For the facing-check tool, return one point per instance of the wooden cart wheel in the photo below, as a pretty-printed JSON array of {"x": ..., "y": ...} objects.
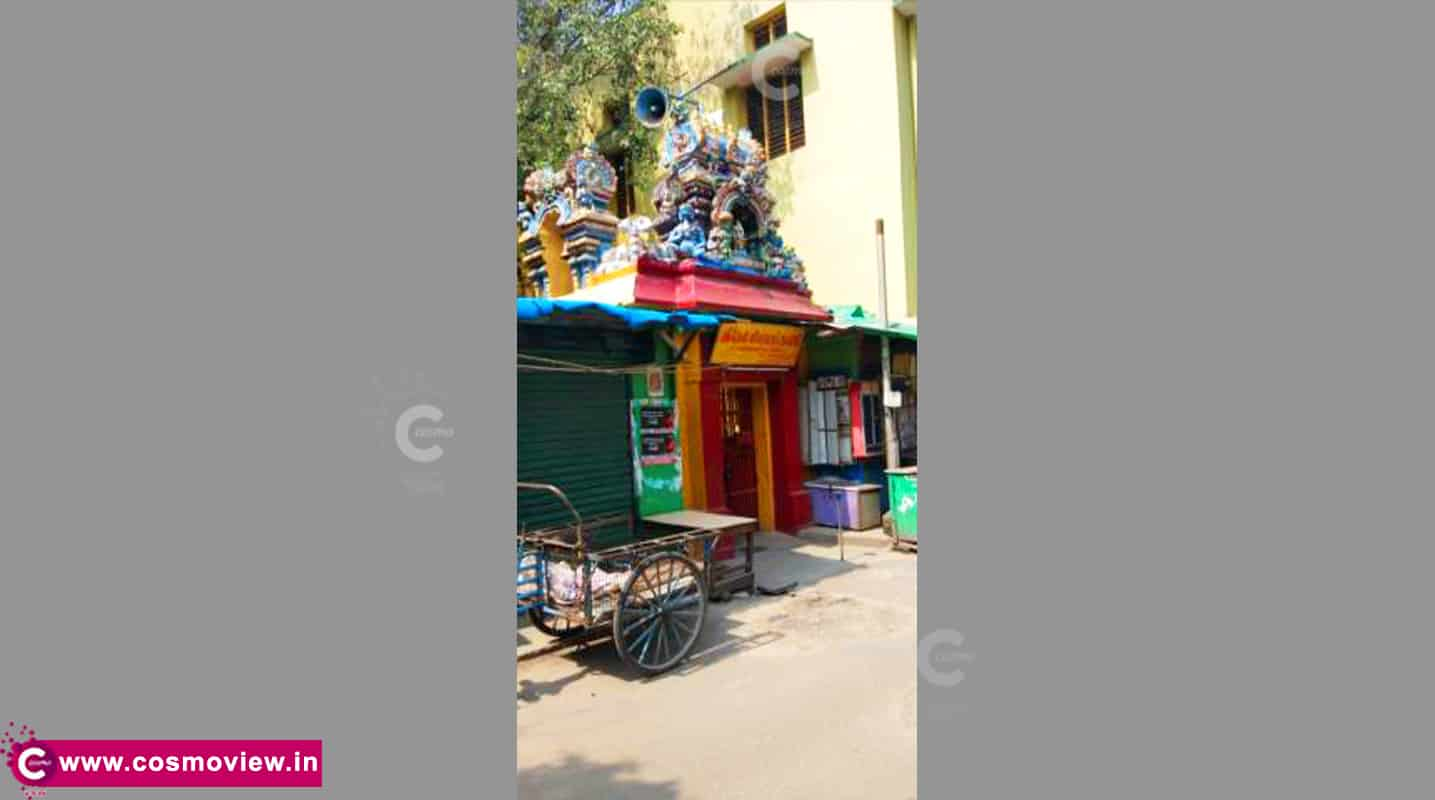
[
  {"x": 555, "y": 626},
  {"x": 660, "y": 613}
]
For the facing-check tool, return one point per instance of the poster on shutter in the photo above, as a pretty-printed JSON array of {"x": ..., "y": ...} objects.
[
  {"x": 656, "y": 384},
  {"x": 657, "y": 457}
]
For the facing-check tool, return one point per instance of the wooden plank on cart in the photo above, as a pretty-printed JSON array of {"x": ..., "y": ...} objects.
[
  {"x": 705, "y": 524},
  {"x": 705, "y": 520}
]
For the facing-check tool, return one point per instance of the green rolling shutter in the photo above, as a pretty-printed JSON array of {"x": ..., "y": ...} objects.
[{"x": 573, "y": 433}]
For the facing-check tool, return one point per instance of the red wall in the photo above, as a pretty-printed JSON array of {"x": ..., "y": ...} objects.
[{"x": 792, "y": 508}]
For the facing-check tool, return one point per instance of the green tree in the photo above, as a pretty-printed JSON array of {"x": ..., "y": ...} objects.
[{"x": 575, "y": 55}]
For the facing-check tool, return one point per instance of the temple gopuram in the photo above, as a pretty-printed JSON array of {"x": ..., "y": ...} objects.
[{"x": 713, "y": 246}]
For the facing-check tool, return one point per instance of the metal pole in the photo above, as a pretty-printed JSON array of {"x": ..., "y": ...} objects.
[{"x": 889, "y": 415}]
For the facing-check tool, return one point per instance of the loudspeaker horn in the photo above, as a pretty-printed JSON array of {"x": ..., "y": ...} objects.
[{"x": 651, "y": 106}]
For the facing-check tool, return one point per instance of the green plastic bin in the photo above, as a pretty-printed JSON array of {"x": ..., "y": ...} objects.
[{"x": 902, "y": 488}]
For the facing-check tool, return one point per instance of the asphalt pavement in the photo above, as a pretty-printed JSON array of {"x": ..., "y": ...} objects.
[{"x": 811, "y": 694}]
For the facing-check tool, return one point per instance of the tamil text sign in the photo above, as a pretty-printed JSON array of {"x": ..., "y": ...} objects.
[{"x": 757, "y": 344}]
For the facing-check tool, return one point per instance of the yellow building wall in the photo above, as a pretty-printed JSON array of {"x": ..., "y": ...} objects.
[
  {"x": 850, "y": 172},
  {"x": 906, "y": 39}
]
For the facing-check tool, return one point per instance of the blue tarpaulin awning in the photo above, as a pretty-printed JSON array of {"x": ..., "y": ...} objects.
[{"x": 537, "y": 309}]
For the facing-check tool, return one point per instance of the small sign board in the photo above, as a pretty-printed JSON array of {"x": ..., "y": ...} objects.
[
  {"x": 757, "y": 344},
  {"x": 658, "y": 444},
  {"x": 650, "y": 417}
]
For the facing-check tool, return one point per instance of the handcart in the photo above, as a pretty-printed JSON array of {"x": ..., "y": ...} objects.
[{"x": 650, "y": 592}]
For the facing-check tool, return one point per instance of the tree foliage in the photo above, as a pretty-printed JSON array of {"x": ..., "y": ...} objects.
[{"x": 577, "y": 55}]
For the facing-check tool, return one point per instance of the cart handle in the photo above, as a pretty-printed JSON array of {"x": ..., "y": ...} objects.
[{"x": 554, "y": 490}]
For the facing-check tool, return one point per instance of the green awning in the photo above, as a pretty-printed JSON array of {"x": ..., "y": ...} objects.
[{"x": 857, "y": 318}]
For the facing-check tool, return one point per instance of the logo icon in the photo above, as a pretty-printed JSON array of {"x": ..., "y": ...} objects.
[
  {"x": 933, "y": 669},
  {"x": 31, "y": 761},
  {"x": 781, "y": 60},
  {"x": 408, "y": 419},
  {"x": 34, "y": 763},
  {"x": 405, "y": 431}
]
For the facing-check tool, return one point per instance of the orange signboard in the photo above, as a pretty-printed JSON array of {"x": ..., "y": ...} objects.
[{"x": 757, "y": 344}]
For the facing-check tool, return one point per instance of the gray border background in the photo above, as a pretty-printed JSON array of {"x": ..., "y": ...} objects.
[
  {"x": 1177, "y": 500},
  {"x": 1181, "y": 473},
  {"x": 231, "y": 232}
]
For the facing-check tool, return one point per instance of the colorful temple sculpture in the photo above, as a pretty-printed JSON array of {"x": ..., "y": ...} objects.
[
  {"x": 713, "y": 246},
  {"x": 573, "y": 205}
]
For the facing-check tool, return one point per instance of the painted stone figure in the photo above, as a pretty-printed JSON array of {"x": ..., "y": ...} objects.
[
  {"x": 719, "y": 242},
  {"x": 687, "y": 239}
]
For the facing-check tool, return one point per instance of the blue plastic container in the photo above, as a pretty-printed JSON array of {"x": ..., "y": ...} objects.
[
  {"x": 827, "y": 501},
  {"x": 866, "y": 471}
]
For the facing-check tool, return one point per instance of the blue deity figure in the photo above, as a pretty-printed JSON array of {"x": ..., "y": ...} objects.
[
  {"x": 772, "y": 240},
  {"x": 687, "y": 237}
]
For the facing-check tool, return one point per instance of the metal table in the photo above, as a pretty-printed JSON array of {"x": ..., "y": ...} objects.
[{"x": 721, "y": 581}]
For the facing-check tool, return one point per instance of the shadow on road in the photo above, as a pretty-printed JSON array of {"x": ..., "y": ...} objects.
[
  {"x": 721, "y": 639},
  {"x": 576, "y": 777},
  {"x": 532, "y": 691},
  {"x": 778, "y": 562}
]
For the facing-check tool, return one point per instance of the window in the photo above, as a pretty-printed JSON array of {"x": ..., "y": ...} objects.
[
  {"x": 623, "y": 196},
  {"x": 731, "y": 414},
  {"x": 828, "y": 421},
  {"x": 616, "y": 114},
  {"x": 872, "y": 417},
  {"x": 904, "y": 379},
  {"x": 776, "y": 121},
  {"x": 769, "y": 28}
]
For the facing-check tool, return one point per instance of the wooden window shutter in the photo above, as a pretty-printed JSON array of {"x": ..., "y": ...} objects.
[
  {"x": 754, "y": 117},
  {"x": 765, "y": 31},
  {"x": 776, "y": 119},
  {"x": 796, "y": 129},
  {"x": 761, "y": 35}
]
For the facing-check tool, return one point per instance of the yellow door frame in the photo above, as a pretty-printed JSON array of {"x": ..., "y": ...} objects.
[
  {"x": 762, "y": 442},
  {"x": 690, "y": 427}
]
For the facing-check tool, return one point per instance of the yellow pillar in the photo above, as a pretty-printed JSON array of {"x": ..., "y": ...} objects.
[{"x": 690, "y": 427}]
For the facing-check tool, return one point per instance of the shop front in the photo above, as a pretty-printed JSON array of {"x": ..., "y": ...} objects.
[
  {"x": 597, "y": 413},
  {"x": 741, "y": 393},
  {"x": 842, "y": 425}
]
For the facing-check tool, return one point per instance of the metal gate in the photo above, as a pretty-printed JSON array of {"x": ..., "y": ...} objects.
[{"x": 573, "y": 433}]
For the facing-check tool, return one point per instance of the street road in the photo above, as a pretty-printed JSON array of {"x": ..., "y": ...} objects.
[{"x": 808, "y": 695}]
